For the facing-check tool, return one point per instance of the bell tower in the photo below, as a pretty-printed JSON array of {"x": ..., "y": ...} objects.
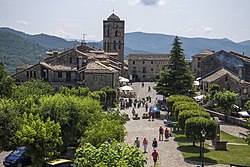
[{"x": 113, "y": 36}]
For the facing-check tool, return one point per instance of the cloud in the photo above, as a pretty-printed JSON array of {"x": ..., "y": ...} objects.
[
  {"x": 206, "y": 29},
  {"x": 148, "y": 2},
  {"x": 23, "y": 22},
  {"x": 64, "y": 33}
]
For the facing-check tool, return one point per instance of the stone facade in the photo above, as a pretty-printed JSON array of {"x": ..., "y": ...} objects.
[
  {"x": 146, "y": 67},
  {"x": 196, "y": 62},
  {"x": 113, "y": 36},
  {"x": 79, "y": 66}
]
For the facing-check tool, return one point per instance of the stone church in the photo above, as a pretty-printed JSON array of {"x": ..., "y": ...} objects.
[{"x": 83, "y": 65}]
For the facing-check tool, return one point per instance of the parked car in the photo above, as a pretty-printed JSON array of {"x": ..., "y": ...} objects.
[
  {"x": 17, "y": 158},
  {"x": 58, "y": 163}
]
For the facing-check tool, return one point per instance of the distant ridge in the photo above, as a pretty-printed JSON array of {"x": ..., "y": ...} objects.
[{"x": 18, "y": 48}]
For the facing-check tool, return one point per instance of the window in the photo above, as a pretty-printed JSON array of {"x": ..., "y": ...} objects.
[
  {"x": 152, "y": 62},
  {"x": 143, "y": 62},
  {"x": 68, "y": 76},
  {"x": 119, "y": 46},
  {"x": 152, "y": 69},
  {"x": 95, "y": 77},
  {"x": 134, "y": 70},
  {"x": 116, "y": 33},
  {"x": 59, "y": 74},
  {"x": 199, "y": 58},
  {"x": 144, "y": 70},
  {"x": 226, "y": 78},
  {"x": 34, "y": 74},
  {"x": 70, "y": 60},
  {"x": 133, "y": 62},
  {"x": 199, "y": 64},
  {"x": 28, "y": 74}
]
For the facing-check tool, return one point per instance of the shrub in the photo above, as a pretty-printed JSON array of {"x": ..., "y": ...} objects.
[
  {"x": 186, "y": 106},
  {"x": 194, "y": 126},
  {"x": 185, "y": 114},
  {"x": 174, "y": 98}
]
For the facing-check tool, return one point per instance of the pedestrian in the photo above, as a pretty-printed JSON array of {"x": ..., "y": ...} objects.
[
  {"x": 150, "y": 115},
  {"x": 154, "y": 144},
  {"x": 149, "y": 89},
  {"x": 166, "y": 134},
  {"x": 155, "y": 156},
  {"x": 145, "y": 145},
  {"x": 137, "y": 142},
  {"x": 142, "y": 84},
  {"x": 109, "y": 140},
  {"x": 161, "y": 133},
  {"x": 146, "y": 106},
  {"x": 133, "y": 111}
]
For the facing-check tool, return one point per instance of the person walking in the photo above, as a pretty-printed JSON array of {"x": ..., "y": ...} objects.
[
  {"x": 146, "y": 107},
  {"x": 137, "y": 142},
  {"x": 161, "y": 133},
  {"x": 155, "y": 156},
  {"x": 154, "y": 144},
  {"x": 145, "y": 145},
  {"x": 166, "y": 132}
]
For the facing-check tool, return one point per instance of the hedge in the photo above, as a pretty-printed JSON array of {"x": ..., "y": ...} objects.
[
  {"x": 185, "y": 114},
  {"x": 174, "y": 98},
  {"x": 194, "y": 126},
  {"x": 186, "y": 106}
]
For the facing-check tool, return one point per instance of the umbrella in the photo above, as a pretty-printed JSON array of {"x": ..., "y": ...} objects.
[
  {"x": 126, "y": 88},
  {"x": 124, "y": 80}
]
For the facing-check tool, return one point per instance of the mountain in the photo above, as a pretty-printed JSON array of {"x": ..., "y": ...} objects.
[
  {"x": 161, "y": 43},
  {"x": 246, "y": 43},
  {"x": 18, "y": 48}
]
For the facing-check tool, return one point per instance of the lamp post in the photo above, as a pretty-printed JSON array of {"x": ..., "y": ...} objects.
[{"x": 203, "y": 134}]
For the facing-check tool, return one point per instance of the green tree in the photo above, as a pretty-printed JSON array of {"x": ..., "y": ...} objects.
[
  {"x": 32, "y": 88},
  {"x": 214, "y": 88},
  {"x": 194, "y": 126},
  {"x": 6, "y": 82},
  {"x": 184, "y": 115},
  {"x": 40, "y": 138},
  {"x": 247, "y": 106},
  {"x": 9, "y": 124},
  {"x": 109, "y": 155},
  {"x": 97, "y": 134},
  {"x": 225, "y": 100},
  {"x": 176, "y": 78}
]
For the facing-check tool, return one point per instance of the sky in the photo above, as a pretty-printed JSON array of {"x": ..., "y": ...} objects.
[{"x": 71, "y": 19}]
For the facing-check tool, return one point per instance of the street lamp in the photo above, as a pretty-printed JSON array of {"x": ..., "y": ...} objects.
[{"x": 203, "y": 134}]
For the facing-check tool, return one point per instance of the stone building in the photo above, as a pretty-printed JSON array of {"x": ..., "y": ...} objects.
[
  {"x": 230, "y": 70},
  {"x": 146, "y": 67},
  {"x": 113, "y": 37},
  {"x": 226, "y": 80},
  {"x": 196, "y": 62},
  {"x": 78, "y": 66}
]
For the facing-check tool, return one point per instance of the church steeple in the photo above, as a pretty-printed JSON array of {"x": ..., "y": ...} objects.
[{"x": 113, "y": 36}]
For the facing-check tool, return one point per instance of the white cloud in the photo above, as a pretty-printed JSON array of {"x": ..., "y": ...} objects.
[
  {"x": 64, "y": 33},
  {"x": 23, "y": 22},
  {"x": 206, "y": 30},
  {"x": 148, "y": 2}
]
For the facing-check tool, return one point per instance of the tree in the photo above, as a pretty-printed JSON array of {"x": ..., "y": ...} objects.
[
  {"x": 184, "y": 115},
  {"x": 97, "y": 134},
  {"x": 32, "y": 88},
  {"x": 109, "y": 155},
  {"x": 214, "y": 88},
  {"x": 6, "y": 82},
  {"x": 247, "y": 105},
  {"x": 9, "y": 124},
  {"x": 40, "y": 138},
  {"x": 194, "y": 126},
  {"x": 176, "y": 78},
  {"x": 225, "y": 100}
]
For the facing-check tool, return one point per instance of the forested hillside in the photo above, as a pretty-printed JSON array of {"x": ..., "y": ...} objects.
[{"x": 16, "y": 51}]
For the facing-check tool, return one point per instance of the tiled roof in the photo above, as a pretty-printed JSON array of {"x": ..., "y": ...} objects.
[
  {"x": 98, "y": 67},
  {"x": 148, "y": 56},
  {"x": 58, "y": 67},
  {"x": 206, "y": 52},
  {"x": 218, "y": 74}
]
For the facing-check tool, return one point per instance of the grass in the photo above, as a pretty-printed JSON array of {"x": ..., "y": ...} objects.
[{"x": 235, "y": 154}]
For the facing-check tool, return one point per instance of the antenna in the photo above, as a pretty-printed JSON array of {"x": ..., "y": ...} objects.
[{"x": 83, "y": 38}]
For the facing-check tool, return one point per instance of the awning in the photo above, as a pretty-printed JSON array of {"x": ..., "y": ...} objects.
[{"x": 126, "y": 88}]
